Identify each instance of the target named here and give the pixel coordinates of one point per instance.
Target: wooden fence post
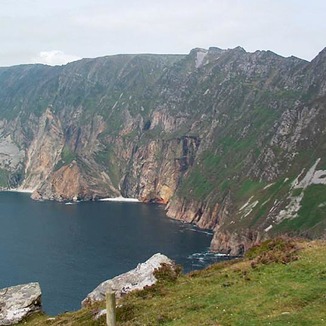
(110, 308)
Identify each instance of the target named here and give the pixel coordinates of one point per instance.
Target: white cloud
(54, 58)
(92, 28)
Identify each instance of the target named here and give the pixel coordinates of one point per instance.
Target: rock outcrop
(136, 279)
(18, 302)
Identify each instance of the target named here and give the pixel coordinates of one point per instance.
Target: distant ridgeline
(229, 140)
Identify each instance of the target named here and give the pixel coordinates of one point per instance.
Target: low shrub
(280, 250)
(167, 273)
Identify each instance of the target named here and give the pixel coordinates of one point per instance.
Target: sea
(70, 248)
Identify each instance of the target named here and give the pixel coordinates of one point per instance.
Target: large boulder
(18, 302)
(136, 279)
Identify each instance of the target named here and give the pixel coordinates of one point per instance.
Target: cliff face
(229, 140)
(44, 151)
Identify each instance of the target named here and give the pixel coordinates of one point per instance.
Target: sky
(55, 32)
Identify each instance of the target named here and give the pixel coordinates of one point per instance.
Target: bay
(70, 249)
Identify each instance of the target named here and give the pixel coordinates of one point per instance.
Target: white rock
(313, 176)
(136, 279)
(201, 54)
(100, 314)
(17, 302)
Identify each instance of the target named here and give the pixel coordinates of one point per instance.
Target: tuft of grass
(125, 313)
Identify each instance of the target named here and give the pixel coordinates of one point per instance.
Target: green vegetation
(266, 195)
(67, 156)
(108, 159)
(4, 178)
(311, 215)
(218, 172)
(203, 177)
(197, 185)
(280, 282)
(249, 188)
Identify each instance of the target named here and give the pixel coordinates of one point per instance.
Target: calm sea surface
(70, 249)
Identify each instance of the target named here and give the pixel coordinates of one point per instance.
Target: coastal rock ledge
(136, 279)
(18, 302)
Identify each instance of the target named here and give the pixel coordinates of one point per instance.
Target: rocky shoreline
(21, 301)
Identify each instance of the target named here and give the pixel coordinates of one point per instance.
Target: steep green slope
(280, 282)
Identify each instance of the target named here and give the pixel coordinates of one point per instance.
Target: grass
(216, 172)
(312, 213)
(249, 188)
(197, 185)
(108, 159)
(67, 156)
(265, 196)
(4, 178)
(252, 291)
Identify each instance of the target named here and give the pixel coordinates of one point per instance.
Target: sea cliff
(223, 138)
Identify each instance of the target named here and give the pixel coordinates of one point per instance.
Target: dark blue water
(70, 249)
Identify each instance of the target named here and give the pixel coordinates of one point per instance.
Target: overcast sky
(58, 31)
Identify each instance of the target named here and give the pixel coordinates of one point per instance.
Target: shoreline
(27, 191)
(120, 199)
(115, 199)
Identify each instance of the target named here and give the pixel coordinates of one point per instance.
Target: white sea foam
(207, 254)
(202, 259)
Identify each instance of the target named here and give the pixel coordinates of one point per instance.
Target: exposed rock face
(156, 168)
(44, 151)
(10, 154)
(136, 279)
(217, 135)
(18, 302)
(235, 244)
(64, 184)
(199, 213)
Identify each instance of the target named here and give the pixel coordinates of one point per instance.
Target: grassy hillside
(280, 282)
